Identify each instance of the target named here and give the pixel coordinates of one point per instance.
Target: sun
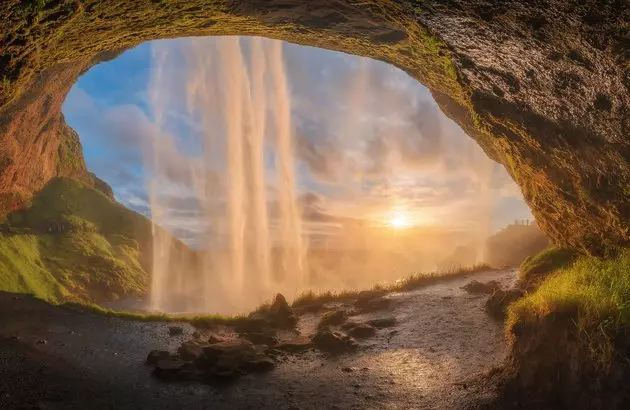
(399, 220)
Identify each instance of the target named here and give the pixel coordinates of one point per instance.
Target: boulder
(191, 349)
(333, 341)
(476, 287)
(362, 330)
(280, 313)
(171, 367)
(498, 303)
(382, 323)
(332, 318)
(156, 355)
(297, 344)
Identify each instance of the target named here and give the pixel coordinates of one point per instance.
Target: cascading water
(239, 100)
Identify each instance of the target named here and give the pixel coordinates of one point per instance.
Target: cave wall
(542, 86)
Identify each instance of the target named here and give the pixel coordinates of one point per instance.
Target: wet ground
(54, 358)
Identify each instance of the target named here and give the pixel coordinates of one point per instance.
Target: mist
(289, 168)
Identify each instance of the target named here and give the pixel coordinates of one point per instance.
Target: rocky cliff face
(543, 86)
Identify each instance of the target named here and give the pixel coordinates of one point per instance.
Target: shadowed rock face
(542, 86)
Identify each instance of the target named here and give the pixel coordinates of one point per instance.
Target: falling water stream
(240, 100)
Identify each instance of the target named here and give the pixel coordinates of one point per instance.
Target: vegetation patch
(571, 336)
(73, 242)
(536, 268)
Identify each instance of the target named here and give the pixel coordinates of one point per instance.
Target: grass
(200, 321)
(598, 289)
(74, 243)
(412, 282)
(594, 294)
(536, 267)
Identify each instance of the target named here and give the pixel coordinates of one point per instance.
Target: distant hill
(76, 242)
(508, 247)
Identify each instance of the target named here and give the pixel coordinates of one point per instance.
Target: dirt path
(55, 358)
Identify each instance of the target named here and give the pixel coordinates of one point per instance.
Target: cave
(546, 98)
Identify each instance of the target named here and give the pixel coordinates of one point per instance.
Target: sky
(370, 143)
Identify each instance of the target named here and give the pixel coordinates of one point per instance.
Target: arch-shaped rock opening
(547, 99)
(384, 183)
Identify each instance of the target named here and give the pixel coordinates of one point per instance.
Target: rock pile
(211, 359)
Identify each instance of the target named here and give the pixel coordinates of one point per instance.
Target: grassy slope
(597, 289)
(74, 242)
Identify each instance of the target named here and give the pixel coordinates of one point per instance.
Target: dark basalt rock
(334, 342)
(332, 318)
(156, 355)
(498, 303)
(297, 344)
(362, 330)
(225, 360)
(261, 338)
(476, 287)
(280, 314)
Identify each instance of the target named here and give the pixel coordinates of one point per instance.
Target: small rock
(16, 337)
(347, 369)
(212, 339)
(42, 341)
(191, 349)
(156, 355)
(362, 330)
(476, 287)
(280, 313)
(169, 367)
(260, 338)
(498, 303)
(382, 323)
(298, 344)
(175, 330)
(333, 341)
(335, 317)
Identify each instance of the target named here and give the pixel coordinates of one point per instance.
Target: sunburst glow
(399, 220)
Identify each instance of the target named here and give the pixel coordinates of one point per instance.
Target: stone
(335, 317)
(156, 355)
(362, 330)
(169, 366)
(382, 323)
(334, 342)
(175, 330)
(212, 339)
(476, 287)
(191, 349)
(261, 338)
(497, 304)
(297, 344)
(280, 314)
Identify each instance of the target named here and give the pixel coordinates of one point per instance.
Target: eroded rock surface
(541, 86)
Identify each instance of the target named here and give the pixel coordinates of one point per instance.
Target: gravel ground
(55, 358)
